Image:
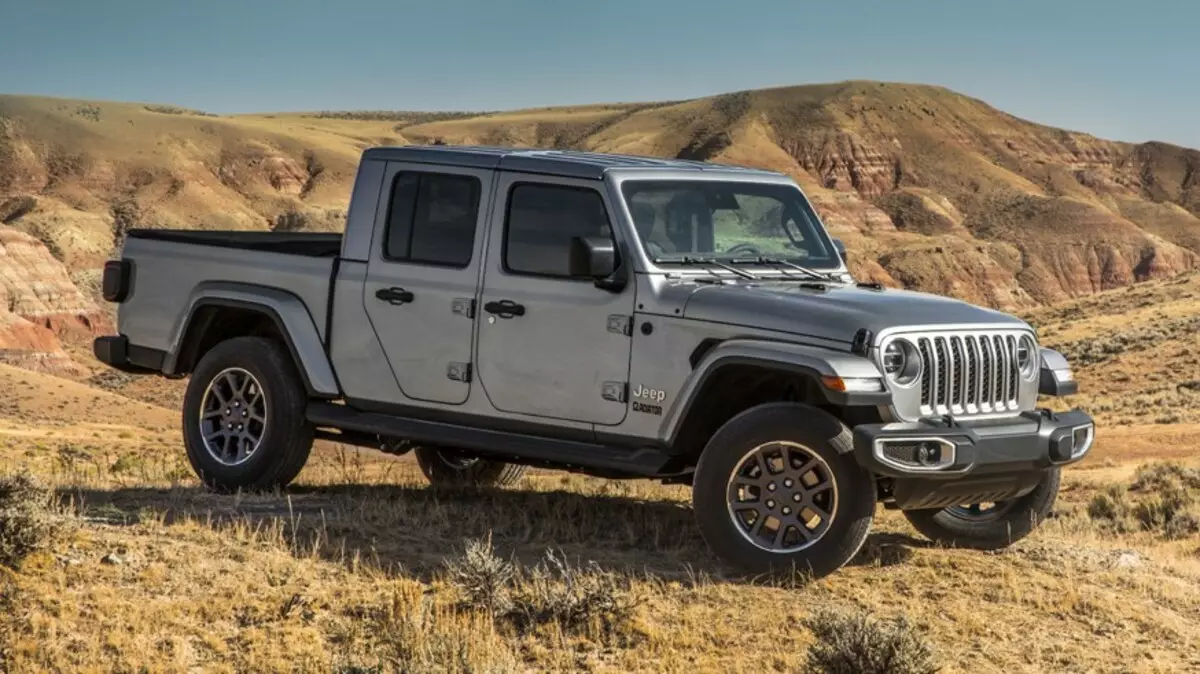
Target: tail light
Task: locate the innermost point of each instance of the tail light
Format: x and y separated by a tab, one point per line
115	284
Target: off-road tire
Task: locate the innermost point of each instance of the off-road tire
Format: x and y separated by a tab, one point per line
1025	514
480	472
287	436
823	436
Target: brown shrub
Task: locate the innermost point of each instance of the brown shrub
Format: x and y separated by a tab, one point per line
579	599
851	642
410	633
30	518
1164	498
15	208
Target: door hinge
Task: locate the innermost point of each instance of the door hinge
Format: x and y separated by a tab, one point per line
621	325
463	306
459	372
616	391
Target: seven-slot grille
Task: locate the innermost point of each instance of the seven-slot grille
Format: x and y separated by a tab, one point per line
968	373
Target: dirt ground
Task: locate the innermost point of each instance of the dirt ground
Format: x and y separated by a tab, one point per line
347	571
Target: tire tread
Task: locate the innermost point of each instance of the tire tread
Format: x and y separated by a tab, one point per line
290	439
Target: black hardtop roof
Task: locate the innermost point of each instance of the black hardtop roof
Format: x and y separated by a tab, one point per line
568	163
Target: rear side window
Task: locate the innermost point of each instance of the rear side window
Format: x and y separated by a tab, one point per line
431	219
542	220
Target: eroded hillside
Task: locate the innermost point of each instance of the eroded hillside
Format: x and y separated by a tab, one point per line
930	189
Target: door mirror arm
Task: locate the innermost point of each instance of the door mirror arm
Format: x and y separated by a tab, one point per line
614	282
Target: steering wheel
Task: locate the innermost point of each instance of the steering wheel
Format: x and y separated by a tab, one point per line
745	248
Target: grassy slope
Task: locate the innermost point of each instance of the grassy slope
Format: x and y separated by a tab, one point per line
1136	351
308	581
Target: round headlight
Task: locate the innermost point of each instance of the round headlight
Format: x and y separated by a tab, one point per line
1026	357
901	362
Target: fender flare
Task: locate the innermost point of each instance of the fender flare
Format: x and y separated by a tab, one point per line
810	361
286	310
1055	377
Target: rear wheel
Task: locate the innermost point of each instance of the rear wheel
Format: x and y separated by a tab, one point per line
989	526
243	416
444	466
777	489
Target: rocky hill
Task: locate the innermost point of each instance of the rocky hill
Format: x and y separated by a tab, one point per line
929	188
38	305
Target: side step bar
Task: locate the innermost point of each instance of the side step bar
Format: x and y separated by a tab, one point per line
647	462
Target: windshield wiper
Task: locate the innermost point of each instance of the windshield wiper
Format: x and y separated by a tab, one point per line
690	261
791	265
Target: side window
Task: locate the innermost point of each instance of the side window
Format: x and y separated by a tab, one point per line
542	220
431	219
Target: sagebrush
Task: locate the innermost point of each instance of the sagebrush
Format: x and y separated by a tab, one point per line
1164	498
582	599
851	642
30	518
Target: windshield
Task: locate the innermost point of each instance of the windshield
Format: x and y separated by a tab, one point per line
677	219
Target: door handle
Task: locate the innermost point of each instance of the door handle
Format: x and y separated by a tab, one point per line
394	295
505	308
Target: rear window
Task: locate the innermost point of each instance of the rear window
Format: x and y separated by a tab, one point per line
432	219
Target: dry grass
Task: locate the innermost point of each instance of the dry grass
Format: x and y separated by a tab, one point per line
1164	498
1135	351
573	599
363	568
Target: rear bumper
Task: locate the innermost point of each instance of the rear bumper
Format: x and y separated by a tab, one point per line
934	462
116	352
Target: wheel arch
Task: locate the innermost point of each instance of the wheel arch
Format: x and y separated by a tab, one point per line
221	311
760	372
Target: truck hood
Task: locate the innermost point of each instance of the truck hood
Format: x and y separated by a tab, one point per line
836	312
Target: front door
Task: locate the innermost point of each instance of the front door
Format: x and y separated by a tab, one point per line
423	276
551	345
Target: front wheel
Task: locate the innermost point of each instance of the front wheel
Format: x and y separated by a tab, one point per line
445	466
777	489
989	526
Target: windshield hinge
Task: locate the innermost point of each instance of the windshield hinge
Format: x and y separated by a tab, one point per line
621	324
861	345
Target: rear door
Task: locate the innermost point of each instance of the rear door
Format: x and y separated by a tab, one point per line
423	276
551	346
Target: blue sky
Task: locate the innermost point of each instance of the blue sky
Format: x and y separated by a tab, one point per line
1123	70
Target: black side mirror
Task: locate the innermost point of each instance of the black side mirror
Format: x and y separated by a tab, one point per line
596	258
840	247
592	257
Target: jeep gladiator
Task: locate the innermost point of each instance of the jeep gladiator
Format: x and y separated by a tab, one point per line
491	309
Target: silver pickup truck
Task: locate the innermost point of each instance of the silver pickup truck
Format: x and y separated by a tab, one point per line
491	309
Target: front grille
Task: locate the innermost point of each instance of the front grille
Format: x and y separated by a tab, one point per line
968	373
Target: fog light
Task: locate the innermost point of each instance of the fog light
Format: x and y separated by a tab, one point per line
929	454
916	455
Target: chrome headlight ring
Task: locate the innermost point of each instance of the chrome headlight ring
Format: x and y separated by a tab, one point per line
901	362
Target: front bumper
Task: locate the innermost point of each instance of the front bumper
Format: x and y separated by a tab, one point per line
935	461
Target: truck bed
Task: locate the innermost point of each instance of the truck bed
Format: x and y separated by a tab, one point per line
310	244
171	268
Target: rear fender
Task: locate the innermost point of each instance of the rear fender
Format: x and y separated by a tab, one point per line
291	318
